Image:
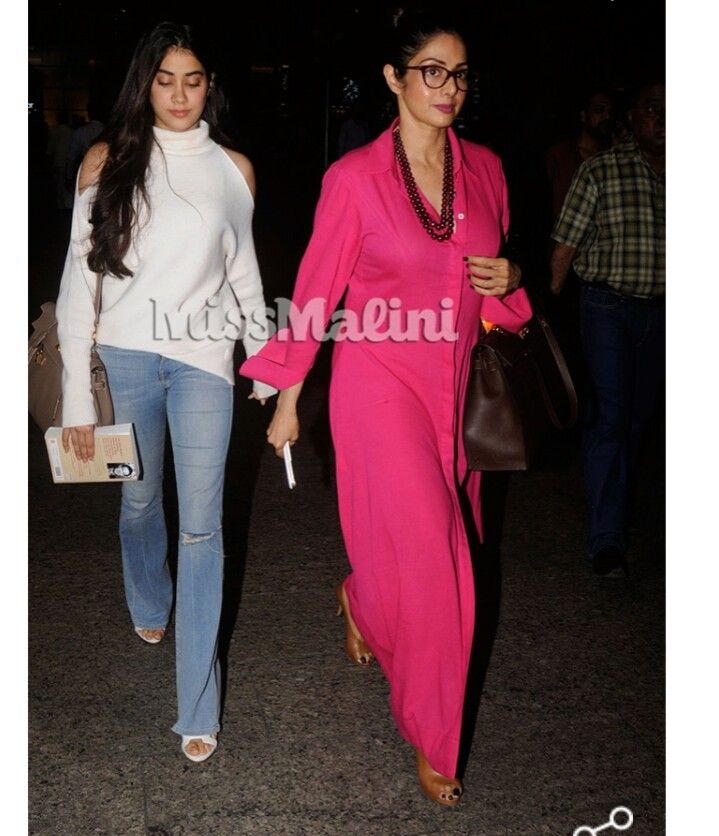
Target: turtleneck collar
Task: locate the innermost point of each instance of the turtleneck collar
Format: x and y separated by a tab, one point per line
195	141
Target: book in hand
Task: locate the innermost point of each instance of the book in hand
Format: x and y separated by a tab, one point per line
115	459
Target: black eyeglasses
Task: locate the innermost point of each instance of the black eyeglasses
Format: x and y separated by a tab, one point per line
435	76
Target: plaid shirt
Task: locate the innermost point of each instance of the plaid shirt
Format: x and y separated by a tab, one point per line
614	215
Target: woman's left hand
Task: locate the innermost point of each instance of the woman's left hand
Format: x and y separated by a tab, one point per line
253	396
492	276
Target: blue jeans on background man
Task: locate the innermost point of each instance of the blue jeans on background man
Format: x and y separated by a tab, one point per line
151	392
623	340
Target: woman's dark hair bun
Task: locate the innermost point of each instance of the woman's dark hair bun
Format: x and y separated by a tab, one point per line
411	32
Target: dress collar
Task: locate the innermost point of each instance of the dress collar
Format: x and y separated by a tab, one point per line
381	152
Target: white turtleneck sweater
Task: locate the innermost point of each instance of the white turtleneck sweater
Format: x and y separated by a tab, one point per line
196	278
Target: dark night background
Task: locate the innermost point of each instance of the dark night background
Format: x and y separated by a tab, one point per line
286	65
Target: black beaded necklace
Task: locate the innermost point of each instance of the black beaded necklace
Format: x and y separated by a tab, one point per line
439	230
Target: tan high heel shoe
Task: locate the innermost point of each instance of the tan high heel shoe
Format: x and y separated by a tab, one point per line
437	787
357	648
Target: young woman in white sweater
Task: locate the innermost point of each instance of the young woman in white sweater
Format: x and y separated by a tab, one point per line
164	213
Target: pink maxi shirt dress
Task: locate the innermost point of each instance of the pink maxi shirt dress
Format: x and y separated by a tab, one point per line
396	411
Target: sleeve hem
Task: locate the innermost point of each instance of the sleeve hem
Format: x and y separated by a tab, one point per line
270	373
78	417
263	390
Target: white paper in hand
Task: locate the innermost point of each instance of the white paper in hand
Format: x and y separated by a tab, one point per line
288	465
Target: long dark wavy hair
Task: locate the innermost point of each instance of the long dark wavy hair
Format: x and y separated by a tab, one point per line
129	137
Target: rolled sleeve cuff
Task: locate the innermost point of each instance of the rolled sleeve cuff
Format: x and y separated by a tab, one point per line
570	238
275	365
510	312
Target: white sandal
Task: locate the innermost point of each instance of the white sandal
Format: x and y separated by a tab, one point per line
141	630
209	739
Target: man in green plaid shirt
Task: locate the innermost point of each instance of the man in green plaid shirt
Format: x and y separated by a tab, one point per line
611	230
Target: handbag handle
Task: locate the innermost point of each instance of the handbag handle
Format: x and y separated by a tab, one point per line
563	373
486	327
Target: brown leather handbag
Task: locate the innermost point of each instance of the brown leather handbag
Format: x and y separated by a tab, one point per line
519	390
45	371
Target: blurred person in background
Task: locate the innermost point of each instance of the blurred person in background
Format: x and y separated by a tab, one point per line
611	231
58	148
596	126
82	138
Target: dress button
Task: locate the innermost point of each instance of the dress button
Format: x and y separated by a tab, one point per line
460	216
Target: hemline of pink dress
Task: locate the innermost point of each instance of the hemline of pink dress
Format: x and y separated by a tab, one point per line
395	413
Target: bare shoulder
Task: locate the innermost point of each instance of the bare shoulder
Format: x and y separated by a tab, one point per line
92	164
245	166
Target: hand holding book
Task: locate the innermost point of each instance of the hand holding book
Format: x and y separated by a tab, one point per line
82	440
114	455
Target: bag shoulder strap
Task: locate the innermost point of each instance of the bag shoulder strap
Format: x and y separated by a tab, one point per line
98	305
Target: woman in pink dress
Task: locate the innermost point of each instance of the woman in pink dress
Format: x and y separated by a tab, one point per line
410	223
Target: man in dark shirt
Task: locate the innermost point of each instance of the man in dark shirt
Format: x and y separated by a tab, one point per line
611	230
595	134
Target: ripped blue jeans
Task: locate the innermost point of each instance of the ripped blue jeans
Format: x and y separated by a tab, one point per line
154	392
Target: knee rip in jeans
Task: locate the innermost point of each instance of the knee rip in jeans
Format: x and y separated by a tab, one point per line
190	539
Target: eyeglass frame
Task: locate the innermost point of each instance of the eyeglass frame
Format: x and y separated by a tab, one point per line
472	77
